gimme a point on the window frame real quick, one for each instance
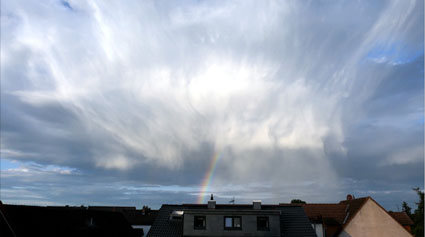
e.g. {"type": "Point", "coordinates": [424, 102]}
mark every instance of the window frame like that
{"type": "Point", "coordinates": [200, 228]}
{"type": "Point", "coordinates": [267, 228]}
{"type": "Point", "coordinates": [233, 223]}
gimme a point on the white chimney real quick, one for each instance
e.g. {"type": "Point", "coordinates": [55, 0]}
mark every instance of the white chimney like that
{"type": "Point", "coordinates": [211, 204]}
{"type": "Point", "coordinates": [256, 204]}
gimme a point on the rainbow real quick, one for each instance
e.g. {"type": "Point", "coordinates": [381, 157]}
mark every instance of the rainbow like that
{"type": "Point", "coordinates": [208, 178]}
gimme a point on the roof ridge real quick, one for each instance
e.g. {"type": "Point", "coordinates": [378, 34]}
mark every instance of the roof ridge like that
{"type": "Point", "coordinates": [321, 203]}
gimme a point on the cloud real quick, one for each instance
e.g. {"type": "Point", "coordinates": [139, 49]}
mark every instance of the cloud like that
{"type": "Point", "coordinates": [411, 155]}
{"type": "Point", "coordinates": [292, 95]}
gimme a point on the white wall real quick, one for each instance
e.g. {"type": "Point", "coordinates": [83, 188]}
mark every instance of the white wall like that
{"type": "Point", "coordinates": [319, 229]}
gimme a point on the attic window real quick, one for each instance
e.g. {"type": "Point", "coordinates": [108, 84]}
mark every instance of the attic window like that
{"type": "Point", "coordinates": [263, 223]}
{"type": "Point", "coordinates": [199, 222]}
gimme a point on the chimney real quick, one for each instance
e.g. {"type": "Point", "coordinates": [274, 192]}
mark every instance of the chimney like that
{"type": "Point", "coordinates": [256, 204]}
{"type": "Point", "coordinates": [349, 197]}
{"type": "Point", "coordinates": [211, 204]}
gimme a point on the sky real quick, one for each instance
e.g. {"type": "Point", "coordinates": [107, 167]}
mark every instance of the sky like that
{"type": "Point", "coordinates": [150, 102]}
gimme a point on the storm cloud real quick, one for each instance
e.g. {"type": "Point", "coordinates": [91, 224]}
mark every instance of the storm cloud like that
{"type": "Point", "coordinates": [127, 102]}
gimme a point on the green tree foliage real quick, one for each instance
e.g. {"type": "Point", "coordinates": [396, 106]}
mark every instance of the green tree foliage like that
{"type": "Point", "coordinates": [297, 201]}
{"type": "Point", "coordinates": [146, 210]}
{"type": "Point", "coordinates": [418, 215]}
{"type": "Point", "coordinates": [407, 209]}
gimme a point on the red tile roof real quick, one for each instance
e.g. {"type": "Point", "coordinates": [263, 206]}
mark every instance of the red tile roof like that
{"type": "Point", "coordinates": [401, 217]}
{"type": "Point", "coordinates": [339, 214]}
{"type": "Point", "coordinates": [333, 213]}
{"type": "Point", "coordinates": [353, 206]}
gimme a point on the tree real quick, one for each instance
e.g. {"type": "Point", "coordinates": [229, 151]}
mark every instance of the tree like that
{"type": "Point", "coordinates": [146, 210]}
{"type": "Point", "coordinates": [407, 209]}
{"type": "Point", "coordinates": [297, 201]}
{"type": "Point", "coordinates": [418, 215]}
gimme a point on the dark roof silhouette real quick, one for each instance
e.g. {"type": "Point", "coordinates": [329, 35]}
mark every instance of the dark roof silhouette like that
{"type": "Point", "coordinates": [131, 214]}
{"type": "Point", "coordinates": [5, 227]}
{"type": "Point", "coordinates": [65, 221]}
{"type": "Point", "coordinates": [293, 220]}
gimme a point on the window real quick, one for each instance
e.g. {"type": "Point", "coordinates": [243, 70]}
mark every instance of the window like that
{"type": "Point", "coordinates": [200, 222]}
{"type": "Point", "coordinates": [263, 223]}
{"type": "Point", "coordinates": [232, 222]}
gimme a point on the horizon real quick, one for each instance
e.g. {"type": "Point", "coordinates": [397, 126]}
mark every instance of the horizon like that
{"type": "Point", "coordinates": [196, 204]}
{"type": "Point", "coordinates": [145, 103]}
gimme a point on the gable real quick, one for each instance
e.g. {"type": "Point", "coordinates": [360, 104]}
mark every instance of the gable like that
{"type": "Point", "coordinates": [373, 220]}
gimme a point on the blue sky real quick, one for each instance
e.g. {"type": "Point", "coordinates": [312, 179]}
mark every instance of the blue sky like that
{"type": "Point", "coordinates": [126, 103]}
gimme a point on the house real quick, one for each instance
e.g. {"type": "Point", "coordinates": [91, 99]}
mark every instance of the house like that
{"type": "Point", "coordinates": [231, 220]}
{"type": "Point", "coordinates": [356, 217]}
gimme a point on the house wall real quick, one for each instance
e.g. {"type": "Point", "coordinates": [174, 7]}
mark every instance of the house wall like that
{"type": "Point", "coordinates": [318, 227]}
{"type": "Point", "coordinates": [372, 220]}
{"type": "Point", "coordinates": [215, 226]}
